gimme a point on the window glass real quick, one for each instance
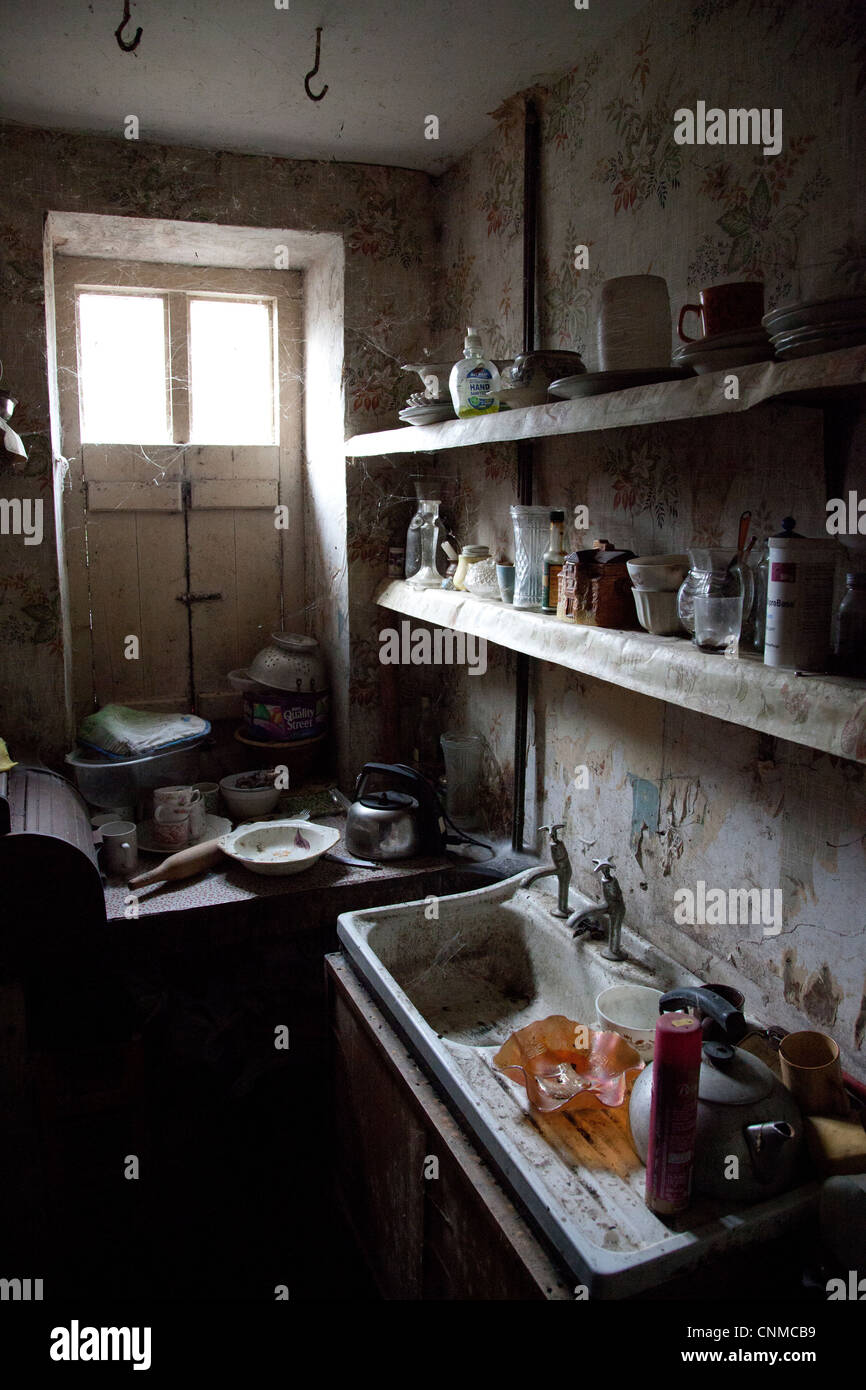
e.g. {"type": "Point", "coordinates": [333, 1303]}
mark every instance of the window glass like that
{"type": "Point", "coordinates": [231, 372]}
{"type": "Point", "coordinates": [122, 369]}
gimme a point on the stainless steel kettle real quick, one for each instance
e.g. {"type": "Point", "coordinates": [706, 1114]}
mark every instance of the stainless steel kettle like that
{"type": "Point", "coordinates": [750, 1131]}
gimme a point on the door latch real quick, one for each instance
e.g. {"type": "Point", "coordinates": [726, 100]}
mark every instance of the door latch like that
{"type": "Point", "coordinates": [197, 598]}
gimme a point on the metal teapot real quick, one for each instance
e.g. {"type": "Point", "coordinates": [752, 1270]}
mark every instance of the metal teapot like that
{"type": "Point", "coordinates": [744, 1111]}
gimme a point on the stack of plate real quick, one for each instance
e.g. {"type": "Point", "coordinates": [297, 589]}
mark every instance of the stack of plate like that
{"type": "Point", "coordinates": [720, 351]}
{"type": "Point", "coordinates": [430, 414]}
{"type": "Point", "coordinates": [817, 325]}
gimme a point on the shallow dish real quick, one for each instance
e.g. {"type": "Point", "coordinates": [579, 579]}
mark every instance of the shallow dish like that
{"type": "Point", "coordinates": [814, 312]}
{"type": "Point", "coordinates": [721, 359]}
{"type": "Point", "coordinates": [279, 846]}
{"type": "Point", "coordinates": [214, 827]}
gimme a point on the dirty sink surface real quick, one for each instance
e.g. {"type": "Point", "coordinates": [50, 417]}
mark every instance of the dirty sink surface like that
{"type": "Point", "coordinates": [457, 987]}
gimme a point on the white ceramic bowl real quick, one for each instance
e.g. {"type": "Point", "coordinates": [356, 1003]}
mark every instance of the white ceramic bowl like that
{"type": "Point", "coordinates": [279, 846]}
{"type": "Point", "coordinates": [633, 1012]}
{"type": "Point", "coordinates": [657, 611]}
{"type": "Point", "coordinates": [246, 803]}
{"type": "Point", "coordinates": [662, 573]}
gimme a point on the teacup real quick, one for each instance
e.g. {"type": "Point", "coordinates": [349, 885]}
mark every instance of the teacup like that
{"type": "Point", "coordinates": [726, 309]}
{"type": "Point", "coordinates": [171, 826]}
{"type": "Point", "coordinates": [178, 797]}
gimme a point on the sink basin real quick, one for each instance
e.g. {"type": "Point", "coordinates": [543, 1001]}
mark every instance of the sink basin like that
{"type": "Point", "coordinates": [456, 985]}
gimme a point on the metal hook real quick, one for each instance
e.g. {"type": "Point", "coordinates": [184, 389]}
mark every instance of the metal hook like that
{"type": "Point", "coordinates": [314, 70]}
{"type": "Point", "coordinates": [127, 17]}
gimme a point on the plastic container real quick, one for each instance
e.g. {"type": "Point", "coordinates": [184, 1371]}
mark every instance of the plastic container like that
{"type": "Point", "coordinates": [120, 782]}
{"type": "Point", "coordinates": [673, 1113]}
{"type": "Point", "coordinates": [799, 602]}
{"type": "Point", "coordinates": [475, 382]}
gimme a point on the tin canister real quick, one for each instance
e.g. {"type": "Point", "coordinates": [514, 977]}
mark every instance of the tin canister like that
{"type": "Point", "coordinates": [799, 602]}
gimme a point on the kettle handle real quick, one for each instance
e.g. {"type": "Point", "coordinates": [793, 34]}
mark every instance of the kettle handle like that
{"type": "Point", "coordinates": [402, 770]}
{"type": "Point", "coordinates": [727, 1015]}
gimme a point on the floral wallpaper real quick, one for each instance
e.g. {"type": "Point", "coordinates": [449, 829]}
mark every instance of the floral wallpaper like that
{"type": "Point", "coordinates": [385, 217]}
{"type": "Point", "coordinates": [614, 180]}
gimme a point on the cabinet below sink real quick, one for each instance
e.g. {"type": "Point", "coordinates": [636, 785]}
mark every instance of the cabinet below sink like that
{"type": "Point", "coordinates": [457, 975]}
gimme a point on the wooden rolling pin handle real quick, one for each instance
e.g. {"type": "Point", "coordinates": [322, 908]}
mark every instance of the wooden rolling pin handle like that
{"type": "Point", "coordinates": [181, 865]}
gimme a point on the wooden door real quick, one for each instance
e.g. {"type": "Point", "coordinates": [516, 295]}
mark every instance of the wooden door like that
{"type": "Point", "coordinates": [177, 545]}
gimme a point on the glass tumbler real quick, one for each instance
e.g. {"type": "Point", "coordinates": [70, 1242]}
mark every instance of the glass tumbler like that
{"type": "Point", "coordinates": [462, 753]}
{"type": "Point", "coordinates": [531, 534]}
{"type": "Point", "coordinates": [718, 619]}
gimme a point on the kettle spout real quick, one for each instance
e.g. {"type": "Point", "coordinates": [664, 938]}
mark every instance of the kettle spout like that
{"type": "Point", "coordinates": [767, 1143]}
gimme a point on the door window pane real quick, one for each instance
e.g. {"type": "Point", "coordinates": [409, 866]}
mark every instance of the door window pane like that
{"type": "Point", "coordinates": [122, 369]}
{"type": "Point", "coordinates": [231, 372]}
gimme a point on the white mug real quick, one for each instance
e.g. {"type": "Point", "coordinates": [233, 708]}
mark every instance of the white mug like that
{"type": "Point", "coordinates": [197, 818]}
{"type": "Point", "coordinates": [119, 847]}
{"type": "Point", "coordinates": [171, 826]}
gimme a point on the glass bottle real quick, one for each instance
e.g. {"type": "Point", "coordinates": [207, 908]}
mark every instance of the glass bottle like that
{"type": "Point", "coordinates": [552, 562]}
{"type": "Point", "coordinates": [849, 631]}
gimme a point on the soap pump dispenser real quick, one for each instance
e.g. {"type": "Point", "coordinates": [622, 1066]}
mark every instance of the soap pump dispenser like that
{"type": "Point", "coordinates": [475, 382]}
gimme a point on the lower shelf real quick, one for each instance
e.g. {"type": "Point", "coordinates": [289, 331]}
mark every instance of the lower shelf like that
{"type": "Point", "coordinates": [823, 712]}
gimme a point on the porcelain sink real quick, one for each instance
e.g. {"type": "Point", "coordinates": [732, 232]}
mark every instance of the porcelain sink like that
{"type": "Point", "coordinates": [458, 975]}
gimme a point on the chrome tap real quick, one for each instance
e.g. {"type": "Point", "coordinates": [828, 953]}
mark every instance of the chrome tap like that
{"type": "Point", "coordinates": [610, 912]}
{"type": "Point", "coordinates": [561, 867]}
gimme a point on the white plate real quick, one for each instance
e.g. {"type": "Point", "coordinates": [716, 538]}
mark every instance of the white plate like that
{"type": "Point", "coordinates": [427, 414]}
{"type": "Point", "coordinates": [719, 359]}
{"type": "Point", "coordinates": [844, 328]}
{"type": "Point", "coordinates": [214, 826]}
{"type": "Point", "coordinates": [745, 337]}
{"type": "Point", "coordinates": [572, 388]}
{"type": "Point", "coordinates": [814, 312]}
{"type": "Point", "coordinates": [813, 346]}
{"type": "Point", "coordinates": [270, 847]}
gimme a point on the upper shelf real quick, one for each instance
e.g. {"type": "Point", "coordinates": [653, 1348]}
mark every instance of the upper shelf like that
{"type": "Point", "coordinates": [807, 380]}
{"type": "Point", "coordinates": [824, 712]}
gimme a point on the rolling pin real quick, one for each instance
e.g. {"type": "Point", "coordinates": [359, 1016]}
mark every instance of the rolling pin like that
{"type": "Point", "coordinates": [181, 865]}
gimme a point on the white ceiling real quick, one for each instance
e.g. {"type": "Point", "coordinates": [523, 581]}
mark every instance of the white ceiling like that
{"type": "Point", "coordinates": [229, 74]}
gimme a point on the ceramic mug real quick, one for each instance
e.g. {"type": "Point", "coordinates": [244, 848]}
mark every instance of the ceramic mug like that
{"type": "Point", "coordinates": [119, 848]}
{"type": "Point", "coordinates": [634, 324]}
{"type": "Point", "coordinates": [505, 580]}
{"type": "Point", "coordinates": [181, 798]}
{"type": "Point", "coordinates": [210, 795]}
{"type": "Point", "coordinates": [812, 1071]}
{"type": "Point", "coordinates": [170, 826]}
{"type": "Point", "coordinates": [726, 309]}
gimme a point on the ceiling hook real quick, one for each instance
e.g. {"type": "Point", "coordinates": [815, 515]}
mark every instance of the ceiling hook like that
{"type": "Point", "coordinates": [127, 17]}
{"type": "Point", "coordinates": [314, 70]}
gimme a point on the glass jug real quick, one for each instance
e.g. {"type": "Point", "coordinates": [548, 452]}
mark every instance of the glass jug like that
{"type": "Point", "coordinates": [717, 573]}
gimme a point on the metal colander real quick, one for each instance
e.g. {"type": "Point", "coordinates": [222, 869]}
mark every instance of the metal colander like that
{"type": "Point", "coordinates": [293, 662]}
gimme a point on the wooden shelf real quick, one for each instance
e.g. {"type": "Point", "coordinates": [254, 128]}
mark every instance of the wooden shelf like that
{"type": "Point", "coordinates": [823, 712]}
{"type": "Point", "coordinates": [815, 381]}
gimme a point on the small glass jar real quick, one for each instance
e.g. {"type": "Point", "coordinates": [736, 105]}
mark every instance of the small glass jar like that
{"type": "Point", "coordinates": [849, 632]}
{"type": "Point", "coordinates": [469, 555]}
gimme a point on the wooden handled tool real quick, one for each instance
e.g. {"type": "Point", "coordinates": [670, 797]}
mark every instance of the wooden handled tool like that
{"type": "Point", "coordinates": [181, 865]}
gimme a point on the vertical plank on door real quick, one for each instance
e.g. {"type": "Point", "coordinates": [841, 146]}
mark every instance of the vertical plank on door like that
{"type": "Point", "coordinates": [164, 623]}
{"type": "Point", "coordinates": [212, 568]}
{"type": "Point", "coordinates": [257, 557]}
{"type": "Point", "coordinates": [112, 546]}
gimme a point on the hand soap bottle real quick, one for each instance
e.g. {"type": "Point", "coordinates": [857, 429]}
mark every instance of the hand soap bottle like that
{"type": "Point", "coordinates": [474, 383]}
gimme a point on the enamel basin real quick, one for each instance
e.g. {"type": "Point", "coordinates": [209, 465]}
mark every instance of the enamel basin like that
{"type": "Point", "coordinates": [457, 975]}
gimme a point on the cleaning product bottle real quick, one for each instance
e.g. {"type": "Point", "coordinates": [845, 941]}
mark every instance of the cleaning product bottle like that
{"type": "Point", "coordinates": [474, 383]}
{"type": "Point", "coordinates": [552, 562]}
{"type": "Point", "coordinates": [674, 1113]}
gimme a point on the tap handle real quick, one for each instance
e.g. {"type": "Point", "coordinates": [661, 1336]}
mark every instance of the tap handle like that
{"type": "Point", "coordinates": [603, 867]}
{"type": "Point", "coordinates": [552, 829]}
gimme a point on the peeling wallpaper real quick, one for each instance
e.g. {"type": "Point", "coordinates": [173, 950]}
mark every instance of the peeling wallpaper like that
{"type": "Point", "coordinates": [675, 796]}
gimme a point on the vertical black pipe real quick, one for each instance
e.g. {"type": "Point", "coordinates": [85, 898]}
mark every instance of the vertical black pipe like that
{"type": "Point", "coordinates": [524, 450]}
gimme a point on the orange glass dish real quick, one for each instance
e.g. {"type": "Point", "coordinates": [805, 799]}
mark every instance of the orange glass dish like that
{"type": "Point", "coordinates": [567, 1065]}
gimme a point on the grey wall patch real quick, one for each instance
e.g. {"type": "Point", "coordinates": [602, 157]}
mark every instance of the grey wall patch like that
{"type": "Point", "coordinates": [644, 813]}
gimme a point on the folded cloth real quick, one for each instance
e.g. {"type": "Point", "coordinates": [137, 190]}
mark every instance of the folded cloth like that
{"type": "Point", "coordinates": [121, 732]}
